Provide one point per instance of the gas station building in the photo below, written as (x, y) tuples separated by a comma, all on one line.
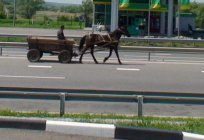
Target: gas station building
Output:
[(135, 14)]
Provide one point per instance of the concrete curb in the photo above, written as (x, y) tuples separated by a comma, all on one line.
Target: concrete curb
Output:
[(97, 130)]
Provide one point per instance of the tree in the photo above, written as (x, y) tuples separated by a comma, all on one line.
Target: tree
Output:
[(2, 12), (87, 9), (28, 8), (198, 10)]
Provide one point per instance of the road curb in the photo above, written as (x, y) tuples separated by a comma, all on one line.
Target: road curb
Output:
[(97, 130)]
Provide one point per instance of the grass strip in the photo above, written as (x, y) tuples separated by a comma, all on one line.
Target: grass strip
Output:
[(24, 23), (13, 39)]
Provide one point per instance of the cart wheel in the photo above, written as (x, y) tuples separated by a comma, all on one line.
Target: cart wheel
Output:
[(33, 55), (65, 56)]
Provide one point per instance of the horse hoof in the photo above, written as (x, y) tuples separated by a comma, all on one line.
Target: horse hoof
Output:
[(104, 61), (120, 63)]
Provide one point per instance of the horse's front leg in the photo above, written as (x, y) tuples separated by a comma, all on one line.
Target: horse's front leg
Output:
[(116, 52), (92, 54), (110, 53), (82, 53)]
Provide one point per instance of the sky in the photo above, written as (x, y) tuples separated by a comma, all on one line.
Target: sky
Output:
[(79, 1)]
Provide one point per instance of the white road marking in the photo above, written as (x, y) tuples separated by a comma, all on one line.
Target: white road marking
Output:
[(163, 54), (36, 66), (127, 69), (32, 77), (103, 52), (202, 71), (134, 56), (2, 57)]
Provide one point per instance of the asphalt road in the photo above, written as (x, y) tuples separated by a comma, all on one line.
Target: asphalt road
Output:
[(135, 74)]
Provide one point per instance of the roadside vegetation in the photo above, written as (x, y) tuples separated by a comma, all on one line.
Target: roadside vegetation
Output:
[(40, 14), (192, 125)]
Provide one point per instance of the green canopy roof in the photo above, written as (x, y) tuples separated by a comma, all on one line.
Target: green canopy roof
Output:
[(184, 4), (138, 5), (124, 3)]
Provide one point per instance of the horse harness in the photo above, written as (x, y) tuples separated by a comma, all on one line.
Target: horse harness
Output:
[(106, 43)]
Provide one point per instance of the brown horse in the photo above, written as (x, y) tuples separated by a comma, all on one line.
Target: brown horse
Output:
[(110, 40)]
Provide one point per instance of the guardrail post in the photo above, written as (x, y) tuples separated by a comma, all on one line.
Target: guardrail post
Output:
[(149, 56), (0, 51), (62, 104), (140, 106)]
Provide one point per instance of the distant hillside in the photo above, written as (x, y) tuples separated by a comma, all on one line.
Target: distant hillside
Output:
[(58, 5), (47, 4), (52, 6)]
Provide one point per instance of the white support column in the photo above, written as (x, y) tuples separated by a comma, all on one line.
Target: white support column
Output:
[(163, 21), (114, 14), (93, 21), (162, 28), (170, 18)]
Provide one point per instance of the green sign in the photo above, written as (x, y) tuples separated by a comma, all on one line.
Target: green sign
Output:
[(184, 4), (155, 4), (124, 3)]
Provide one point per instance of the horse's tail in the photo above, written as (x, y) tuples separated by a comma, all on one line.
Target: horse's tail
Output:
[(82, 41)]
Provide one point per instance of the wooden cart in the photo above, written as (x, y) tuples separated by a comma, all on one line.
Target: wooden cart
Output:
[(39, 45)]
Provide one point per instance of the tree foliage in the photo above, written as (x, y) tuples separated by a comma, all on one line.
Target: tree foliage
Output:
[(87, 9), (2, 12), (28, 8), (198, 10)]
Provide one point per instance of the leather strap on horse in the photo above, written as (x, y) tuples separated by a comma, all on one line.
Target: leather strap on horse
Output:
[(109, 37), (102, 37)]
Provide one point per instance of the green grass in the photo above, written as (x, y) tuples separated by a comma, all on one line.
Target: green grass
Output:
[(24, 23), (192, 125), (12, 39)]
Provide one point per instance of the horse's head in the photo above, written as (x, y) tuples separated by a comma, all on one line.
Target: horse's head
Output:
[(123, 30), (119, 32)]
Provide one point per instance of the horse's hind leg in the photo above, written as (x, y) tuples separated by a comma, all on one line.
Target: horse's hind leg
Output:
[(116, 52), (92, 54), (80, 59), (106, 58)]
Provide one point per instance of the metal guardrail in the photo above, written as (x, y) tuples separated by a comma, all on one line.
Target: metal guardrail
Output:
[(162, 40), (94, 95)]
